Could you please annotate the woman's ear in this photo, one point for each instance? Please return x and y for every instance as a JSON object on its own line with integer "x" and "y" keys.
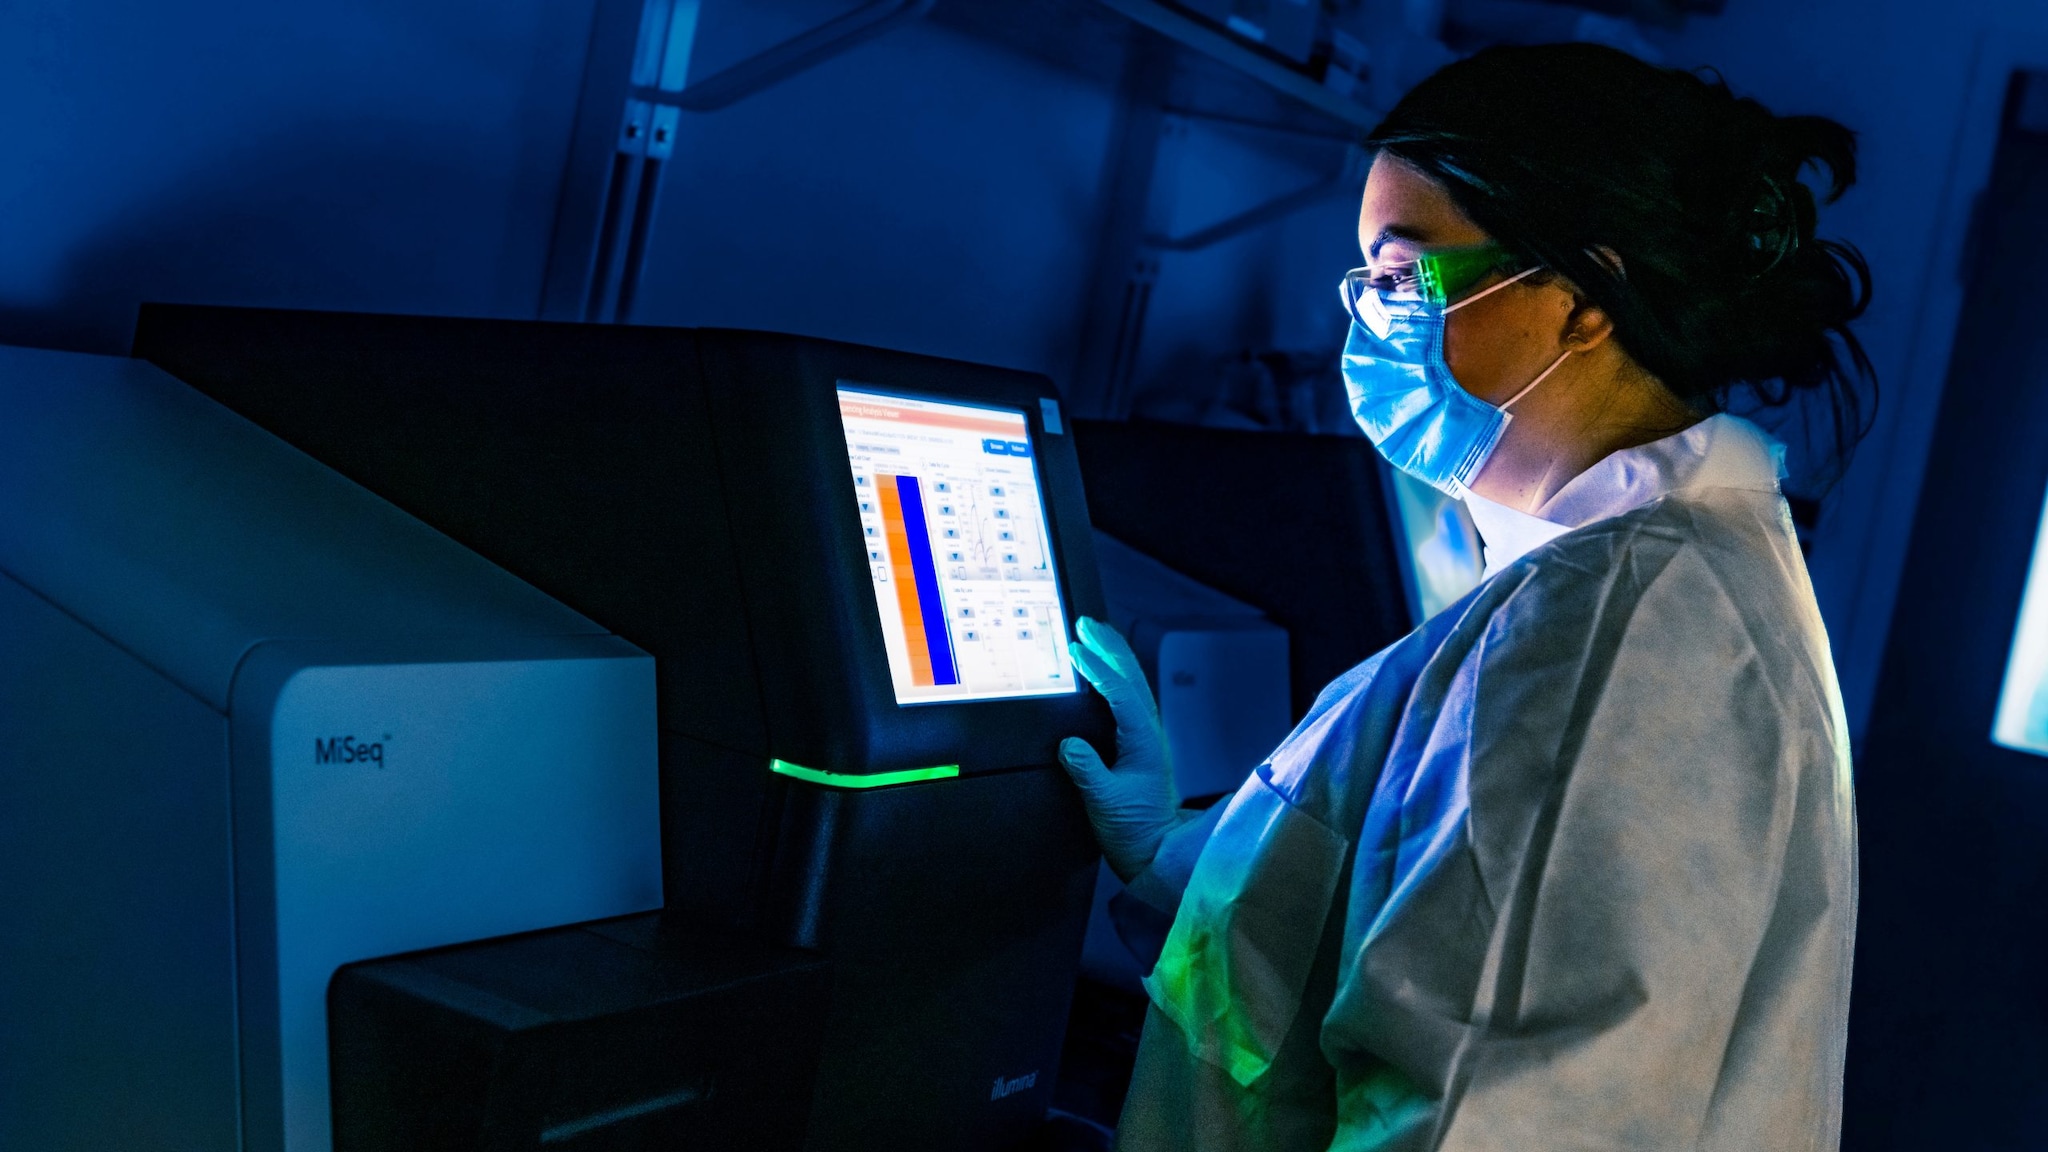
{"x": 1587, "y": 327}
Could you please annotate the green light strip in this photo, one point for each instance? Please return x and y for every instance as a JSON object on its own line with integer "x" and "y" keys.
{"x": 878, "y": 780}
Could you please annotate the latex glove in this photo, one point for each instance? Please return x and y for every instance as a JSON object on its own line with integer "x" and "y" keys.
{"x": 1134, "y": 804}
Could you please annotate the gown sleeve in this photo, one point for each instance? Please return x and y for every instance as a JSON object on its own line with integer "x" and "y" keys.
{"x": 1143, "y": 912}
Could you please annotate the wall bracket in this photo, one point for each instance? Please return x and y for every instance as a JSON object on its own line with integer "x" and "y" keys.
{"x": 636, "y": 86}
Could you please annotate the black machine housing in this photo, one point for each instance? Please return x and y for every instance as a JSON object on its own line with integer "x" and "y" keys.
{"x": 615, "y": 1036}
{"x": 690, "y": 490}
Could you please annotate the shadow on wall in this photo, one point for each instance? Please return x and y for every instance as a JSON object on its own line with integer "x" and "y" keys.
{"x": 371, "y": 217}
{"x": 930, "y": 192}
{"x": 850, "y": 203}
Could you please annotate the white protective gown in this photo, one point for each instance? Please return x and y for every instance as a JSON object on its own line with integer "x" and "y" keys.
{"x": 1570, "y": 867}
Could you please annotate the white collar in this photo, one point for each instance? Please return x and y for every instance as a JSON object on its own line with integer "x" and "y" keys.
{"x": 1719, "y": 452}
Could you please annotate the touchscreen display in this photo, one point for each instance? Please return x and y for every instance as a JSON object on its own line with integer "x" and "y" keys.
{"x": 954, "y": 529}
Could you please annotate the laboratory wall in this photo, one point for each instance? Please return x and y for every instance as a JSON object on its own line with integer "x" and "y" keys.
{"x": 938, "y": 192}
{"x": 929, "y": 190}
{"x": 372, "y": 155}
{"x": 1951, "y": 791}
{"x": 1922, "y": 85}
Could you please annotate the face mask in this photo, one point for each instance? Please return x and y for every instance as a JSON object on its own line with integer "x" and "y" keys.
{"x": 1404, "y": 396}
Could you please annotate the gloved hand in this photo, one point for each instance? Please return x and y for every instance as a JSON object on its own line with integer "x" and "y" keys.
{"x": 1133, "y": 805}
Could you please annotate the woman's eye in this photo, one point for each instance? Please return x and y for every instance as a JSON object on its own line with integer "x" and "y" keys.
{"x": 1394, "y": 278}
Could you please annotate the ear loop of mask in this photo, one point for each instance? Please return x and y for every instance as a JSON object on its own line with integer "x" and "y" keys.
{"x": 1540, "y": 378}
{"x": 1477, "y": 296}
{"x": 1554, "y": 364}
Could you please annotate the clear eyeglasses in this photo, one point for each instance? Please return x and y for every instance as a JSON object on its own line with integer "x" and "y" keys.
{"x": 1371, "y": 294}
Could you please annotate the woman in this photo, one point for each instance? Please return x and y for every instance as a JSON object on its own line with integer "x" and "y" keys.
{"x": 1572, "y": 866}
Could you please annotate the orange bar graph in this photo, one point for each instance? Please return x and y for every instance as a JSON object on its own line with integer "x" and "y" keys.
{"x": 905, "y": 576}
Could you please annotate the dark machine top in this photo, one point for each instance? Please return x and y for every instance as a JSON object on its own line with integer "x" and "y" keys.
{"x": 844, "y": 559}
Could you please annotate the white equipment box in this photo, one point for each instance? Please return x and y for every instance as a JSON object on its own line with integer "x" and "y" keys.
{"x": 257, "y": 723}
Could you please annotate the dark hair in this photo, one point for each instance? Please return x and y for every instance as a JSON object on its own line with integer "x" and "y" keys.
{"x": 1560, "y": 150}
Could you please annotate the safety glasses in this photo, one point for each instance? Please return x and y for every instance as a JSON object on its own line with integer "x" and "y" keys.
{"x": 1435, "y": 278}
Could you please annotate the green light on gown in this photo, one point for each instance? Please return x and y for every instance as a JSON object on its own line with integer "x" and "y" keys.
{"x": 854, "y": 780}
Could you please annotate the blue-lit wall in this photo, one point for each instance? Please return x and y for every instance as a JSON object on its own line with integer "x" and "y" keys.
{"x": 1909, "y": 77}
{"x": 1948, "y": 1007}
{"x": 1273, "y": 288}
{"x": 375, "y": 155}
{"x": 936, "y": 193}
{"x": 927, "y": 191}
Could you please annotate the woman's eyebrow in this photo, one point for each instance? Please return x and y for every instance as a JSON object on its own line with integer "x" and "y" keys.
{"x": 1395, "y": 232}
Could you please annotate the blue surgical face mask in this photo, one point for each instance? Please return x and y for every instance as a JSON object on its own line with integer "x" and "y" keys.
{"x": 1404, "y": 396}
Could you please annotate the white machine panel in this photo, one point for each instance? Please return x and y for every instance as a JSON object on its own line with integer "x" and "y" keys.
{"x": 1222, "y": 700}
{"x": 267, "y": 724}
{"x": 420, "y": 805}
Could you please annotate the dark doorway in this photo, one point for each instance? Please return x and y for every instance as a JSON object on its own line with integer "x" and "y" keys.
{"x": 1948, "y": 1033}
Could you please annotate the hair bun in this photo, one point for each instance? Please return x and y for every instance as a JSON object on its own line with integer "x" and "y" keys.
{"x": 1776, "y": 229}
{"x": 1564, "y": 149}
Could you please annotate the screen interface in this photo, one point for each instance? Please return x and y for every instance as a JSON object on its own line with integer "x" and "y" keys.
{"x": 955, "y": 534}
{"x": 2021, "y": 721}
